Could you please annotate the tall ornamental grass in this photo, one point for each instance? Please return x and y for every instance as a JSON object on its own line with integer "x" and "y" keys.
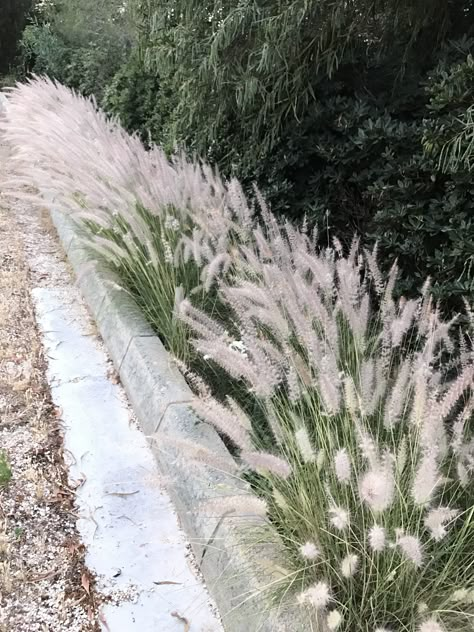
{"x": 361, "y": 446}
{"x": 162, "y": 223}
{"x": 369, "y": 405}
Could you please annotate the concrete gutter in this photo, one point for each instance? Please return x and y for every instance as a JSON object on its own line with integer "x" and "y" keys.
{"x": 125, "y": 520}
{"x": 237, "y": 570}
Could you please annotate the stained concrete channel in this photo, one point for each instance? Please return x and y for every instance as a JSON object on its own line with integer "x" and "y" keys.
{"x": 127, "y": 523}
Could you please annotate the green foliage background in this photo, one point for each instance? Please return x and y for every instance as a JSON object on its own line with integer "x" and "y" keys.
{"x": 82, "y": 44}
{"x": 357, "y": 115}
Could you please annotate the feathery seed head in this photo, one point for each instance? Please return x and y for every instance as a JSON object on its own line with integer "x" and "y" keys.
{"x": 350, "y": 396}
{"x": 463, "y": 473}
{"x": 223, "y": 419}
{"x": 402, "y": 455}
{"x": 334, "y": 620}
{"x": 430, "y": 625}
{"x": 377, "y": 538}
{"x": 367, "y": 447}
{"x": 339, "y": 518}
{"x": 309, "y": 551}
{"x": 349, "y": 565}
{"x": 244, "y": 505}
{"x": 318, "y": 595}
{"x": 367, "y": 383}
{"x": 189, "y": 450}
{"x": 304, "y": 444}
{"x": 342, "y": 466}
{"x": 329, "y": 385}
{"x": 436, "y": 520}
{"x": 460, "y": 596}
{"x": 240, "y": 415}
{"x": 320, "y": 459}
{"x": 411, "y": 548}
{"x": 294, "y": 390}
{"x": 374, "y": 270}
{"x": 396, "y": 404}
{"x": 280, "y": 499}
{"x": 377, "y": 488}
{"x": 427, "y": 479}
{"x": 262, "y": 461}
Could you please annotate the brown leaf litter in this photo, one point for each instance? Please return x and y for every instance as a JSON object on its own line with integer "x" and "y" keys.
{"x": 44, "y": 585}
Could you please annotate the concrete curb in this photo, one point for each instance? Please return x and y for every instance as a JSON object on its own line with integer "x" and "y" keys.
{"x": 236, "y": 570}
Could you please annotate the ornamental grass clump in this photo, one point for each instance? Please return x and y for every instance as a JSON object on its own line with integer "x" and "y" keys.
{"x": 350, "y": 411}
{"x": 167, "y": 226}
{"x": 367, "y": 466}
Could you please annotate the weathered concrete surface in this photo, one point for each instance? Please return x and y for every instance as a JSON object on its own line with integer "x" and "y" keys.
{"x": 127, "y": 522}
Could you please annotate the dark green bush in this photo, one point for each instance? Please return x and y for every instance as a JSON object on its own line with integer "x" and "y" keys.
{"x": 134, "y": 96}
{"x": 342, "y": 129}
{"x": 44, "y": 52}
{"x": 380, "y": 175}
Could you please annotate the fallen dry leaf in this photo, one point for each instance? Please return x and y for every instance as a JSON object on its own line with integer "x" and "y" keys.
{"x": 103, "y": 621}
{"x": 187, "y": 625}
{"x": 43, "y": 576}
{"x": 86, "y": 582}
{"x": 36, "y": 509}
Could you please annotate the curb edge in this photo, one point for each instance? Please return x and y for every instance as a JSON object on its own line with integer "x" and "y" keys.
{"x": 230, "y": 570}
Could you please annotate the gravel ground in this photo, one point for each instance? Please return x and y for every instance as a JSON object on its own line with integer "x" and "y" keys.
{"x": 44, "y": 584}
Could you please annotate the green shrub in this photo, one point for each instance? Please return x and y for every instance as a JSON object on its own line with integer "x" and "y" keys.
{"x": 134, "y": 96}
{"x": 13, "y": 16}
{"x": 260, "y": 66}
{"x": 452, "y": 98}
{"x": 377, "y": 177}
{"x": 44, "y": 52}
{"x": 371, "y": 165}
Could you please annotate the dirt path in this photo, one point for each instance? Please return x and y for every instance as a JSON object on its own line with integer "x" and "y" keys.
{"x": 44, "y": 585}
{"x": 144, "y": 575}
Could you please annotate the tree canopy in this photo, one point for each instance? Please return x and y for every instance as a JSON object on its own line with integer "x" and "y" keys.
{"x": 262, "y": 63}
